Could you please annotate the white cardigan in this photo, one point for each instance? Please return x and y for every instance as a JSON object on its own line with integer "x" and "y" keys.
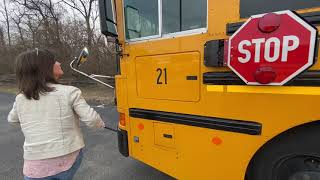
{"x": 51, "y": 125}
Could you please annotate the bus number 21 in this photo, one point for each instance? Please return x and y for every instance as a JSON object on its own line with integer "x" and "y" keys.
{"x": 164, "y": 70}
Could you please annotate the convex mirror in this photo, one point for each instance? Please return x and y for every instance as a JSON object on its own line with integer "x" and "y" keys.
{"x": 82, "y": 57}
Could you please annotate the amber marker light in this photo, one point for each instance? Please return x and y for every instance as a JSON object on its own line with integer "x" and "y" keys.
{"x": 216, "y": 140}
{"x": 140, "y": 126}
{"x": 122, "y": 119}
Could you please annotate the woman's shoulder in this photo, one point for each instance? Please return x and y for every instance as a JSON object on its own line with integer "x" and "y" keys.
{"x": 65, "y": 88}
{"x": 59, "y": 90}
{"x": 20, "y": 96}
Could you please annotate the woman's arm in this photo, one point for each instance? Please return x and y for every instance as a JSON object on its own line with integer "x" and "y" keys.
{"x": 86, "y": 114}
{"x": 13, "y": 114}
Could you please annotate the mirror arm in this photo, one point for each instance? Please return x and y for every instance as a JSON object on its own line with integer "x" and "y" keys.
{"x": 101, "y": 76}
{"x": 89, "y": 76}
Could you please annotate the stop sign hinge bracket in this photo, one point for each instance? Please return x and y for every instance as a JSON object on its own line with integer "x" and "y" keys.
{"x": 215, "y": 53}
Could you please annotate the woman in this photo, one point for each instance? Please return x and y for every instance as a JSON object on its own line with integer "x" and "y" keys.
{"x": 49, "y": 115}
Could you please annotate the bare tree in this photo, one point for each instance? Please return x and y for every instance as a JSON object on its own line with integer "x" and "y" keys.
{"x": 84, "y": 7}
{"x": 33, "y": 28}
{"x": 17, "y": 19}
{"x": 5, "y": 14}
{"x": 39, "y": 23}
{"x": 50, "y": 6}
{"x": 2, "y": 41}
{"x": 48, "y": 12}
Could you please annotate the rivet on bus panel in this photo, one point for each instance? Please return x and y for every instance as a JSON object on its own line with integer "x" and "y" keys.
{"x": 216, "y": 140}
{"x": 140, "y": 126}
{"x": 122, "y": 119}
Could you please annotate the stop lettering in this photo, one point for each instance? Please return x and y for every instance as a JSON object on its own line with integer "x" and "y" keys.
{"x": 290, "y": 43}
{"x": 285, "y": 51}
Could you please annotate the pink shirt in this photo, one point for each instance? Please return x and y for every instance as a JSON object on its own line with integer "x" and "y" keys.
{"x": 49, "y": 167}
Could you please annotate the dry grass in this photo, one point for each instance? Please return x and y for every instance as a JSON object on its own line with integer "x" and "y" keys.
{"x": 8, "y": 88}
{"x": 96, "y": 94}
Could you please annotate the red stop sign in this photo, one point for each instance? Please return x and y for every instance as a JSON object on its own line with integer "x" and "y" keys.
{"x": 276, "y": 49}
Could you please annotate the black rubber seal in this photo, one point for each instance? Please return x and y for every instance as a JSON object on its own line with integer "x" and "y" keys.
{"x": 232, "y": 125}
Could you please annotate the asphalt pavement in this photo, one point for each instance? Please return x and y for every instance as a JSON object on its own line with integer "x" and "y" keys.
{"x": 102, "y": 161}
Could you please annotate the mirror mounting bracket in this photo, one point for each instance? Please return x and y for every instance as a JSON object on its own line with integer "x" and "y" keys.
{"x": 119, "y": 49}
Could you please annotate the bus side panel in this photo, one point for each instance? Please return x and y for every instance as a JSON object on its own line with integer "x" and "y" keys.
{"x": 144, "y": 148}
{"x": 168, "y": 76}
{"x": 121, "y": 93}
{"x": 193, "y": 155}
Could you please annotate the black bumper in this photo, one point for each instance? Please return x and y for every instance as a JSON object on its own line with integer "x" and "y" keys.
{"x": 123, "y": 142}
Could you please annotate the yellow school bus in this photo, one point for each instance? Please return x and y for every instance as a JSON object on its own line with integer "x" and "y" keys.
{"x": 186, "y": 113}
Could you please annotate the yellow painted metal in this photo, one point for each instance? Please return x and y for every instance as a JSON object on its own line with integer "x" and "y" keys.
{"x": 216, "y": 88}
{"x": 287, "y": 90}
{"x": 191, "y": 154}
{"x": 164, "y": 135}
{"x": 166, "y": 76}
{"x": 148, "y": 152}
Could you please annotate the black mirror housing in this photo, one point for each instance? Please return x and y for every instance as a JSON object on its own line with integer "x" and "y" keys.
{"x": 107, "y": 19}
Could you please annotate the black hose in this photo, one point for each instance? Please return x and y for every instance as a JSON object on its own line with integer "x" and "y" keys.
{"x": 114, "y": 130}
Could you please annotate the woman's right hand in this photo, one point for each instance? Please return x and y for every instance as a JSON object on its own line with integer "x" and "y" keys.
{"x": 101, "y": 124}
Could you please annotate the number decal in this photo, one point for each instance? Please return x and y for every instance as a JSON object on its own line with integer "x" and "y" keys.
{"x": 160, "y": 73}
{"x": 159, "y": 70}
{"x": 165, "y": 75}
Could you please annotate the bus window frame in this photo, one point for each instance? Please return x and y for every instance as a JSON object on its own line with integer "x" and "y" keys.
{"x": 161, "y": 36}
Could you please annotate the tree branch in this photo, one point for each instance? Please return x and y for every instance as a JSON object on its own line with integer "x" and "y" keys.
{"x": 74, "y": 7}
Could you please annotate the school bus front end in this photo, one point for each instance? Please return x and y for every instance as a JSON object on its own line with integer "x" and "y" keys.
{"x": 184, "y": 112}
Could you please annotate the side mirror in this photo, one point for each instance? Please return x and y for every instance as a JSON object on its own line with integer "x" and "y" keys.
{"x": 108, "y": 18}
{"x": 82, "y": 57}
{"x": 133, "y": 22}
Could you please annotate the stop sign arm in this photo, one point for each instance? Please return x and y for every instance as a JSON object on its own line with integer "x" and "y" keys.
{"x": 262, "y": 56}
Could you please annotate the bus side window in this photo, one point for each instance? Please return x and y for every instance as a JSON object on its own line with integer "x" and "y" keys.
{"x": 183, "y": 15}
{"x": 146, "y": 14}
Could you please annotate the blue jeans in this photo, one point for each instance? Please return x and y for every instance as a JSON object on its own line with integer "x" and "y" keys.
{"x": 65, "y": 175}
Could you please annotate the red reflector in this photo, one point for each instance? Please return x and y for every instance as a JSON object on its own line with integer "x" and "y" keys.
{"x": 140, "y": 126}
{"x": 265, "y": 75}
{"x": 269, "y": 22}
{"x": 216, "y": 140}
{"x": 122, "y": 119}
